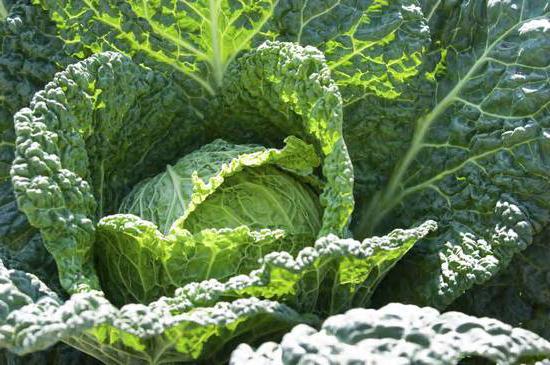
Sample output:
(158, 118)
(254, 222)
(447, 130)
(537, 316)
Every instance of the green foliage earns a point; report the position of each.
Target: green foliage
(82, 146)
(197, 151)
(522, 291)
(434, 116)
(477, 160)
(202, 318)
(399, 334)
(64, 161)
(219, 210)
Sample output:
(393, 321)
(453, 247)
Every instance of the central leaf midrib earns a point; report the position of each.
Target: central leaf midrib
(175, 180)
(472, 159)
(3, 10)
(217, 61)
(433, 10)
(378, 209)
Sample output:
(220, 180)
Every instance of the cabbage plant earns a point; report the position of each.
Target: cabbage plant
(179, 177)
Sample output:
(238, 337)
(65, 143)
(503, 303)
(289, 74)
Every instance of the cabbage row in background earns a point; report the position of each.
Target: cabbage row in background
(443, 106)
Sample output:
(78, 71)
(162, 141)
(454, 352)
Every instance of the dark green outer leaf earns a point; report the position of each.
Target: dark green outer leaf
(30, 55)
(84, 142)
(478, 161)
(399, 334)
(375, 51)
(518, 295)
(373, 48)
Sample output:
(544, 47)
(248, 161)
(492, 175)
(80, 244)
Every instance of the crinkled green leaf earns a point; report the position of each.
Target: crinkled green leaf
(139, 264)
(520, 294)
(283, 88)
(83, 144)
(477, 162)
(195, 38)
(331, 276)
(33, 318)
(374, 48)
(399, 334)
(30, 55)
(18, 289)
(203, 320)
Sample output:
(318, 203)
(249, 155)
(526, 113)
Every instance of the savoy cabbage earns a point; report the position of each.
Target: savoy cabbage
(179, 177)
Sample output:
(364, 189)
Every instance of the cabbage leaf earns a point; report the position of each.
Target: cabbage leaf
(399, 334)
(202, 319)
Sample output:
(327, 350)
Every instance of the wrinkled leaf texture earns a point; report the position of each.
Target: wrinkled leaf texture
(203, 320)
(30, 55)
(445, 108)
(94, 146)
(399, 334)
(445, 112)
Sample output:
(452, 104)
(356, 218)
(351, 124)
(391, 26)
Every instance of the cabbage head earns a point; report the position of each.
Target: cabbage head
(218, 211)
